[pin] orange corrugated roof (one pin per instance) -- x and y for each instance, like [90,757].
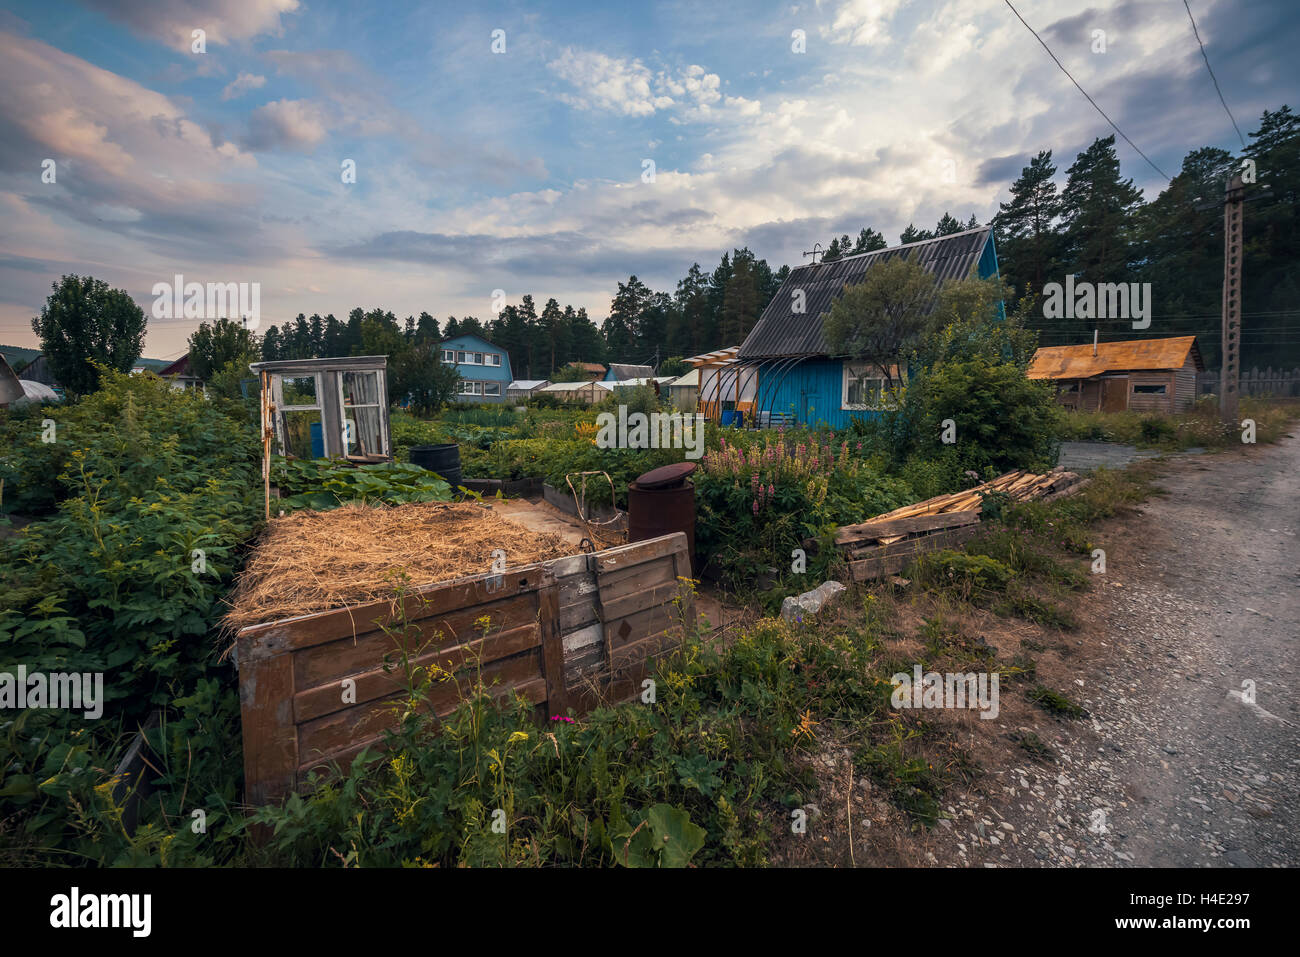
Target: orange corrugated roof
[1078,362]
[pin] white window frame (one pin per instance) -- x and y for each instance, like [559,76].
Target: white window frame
[277,397]
[449,355]
[855,370]
[492,385]
[494,359]
[470,387]
[343,407]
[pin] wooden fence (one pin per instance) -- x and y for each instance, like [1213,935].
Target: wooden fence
[1268,381]
[569,633]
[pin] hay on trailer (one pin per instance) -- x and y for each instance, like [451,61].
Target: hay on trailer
[316,561]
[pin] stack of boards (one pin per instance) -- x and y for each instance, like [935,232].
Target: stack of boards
[886,544]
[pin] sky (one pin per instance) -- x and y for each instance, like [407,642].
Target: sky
[506,146]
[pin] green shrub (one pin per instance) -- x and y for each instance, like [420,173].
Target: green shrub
[323,484]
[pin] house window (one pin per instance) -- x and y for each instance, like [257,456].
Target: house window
[478,358]
[471,388]
[362,404]
[448,355]
[862,388]
[1148,390]
[491,388]
[494,359]
[462,357]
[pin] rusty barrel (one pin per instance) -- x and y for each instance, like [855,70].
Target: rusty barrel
[660,502]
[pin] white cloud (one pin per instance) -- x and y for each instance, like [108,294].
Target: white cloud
[241,85]
[863,22]
[607,83]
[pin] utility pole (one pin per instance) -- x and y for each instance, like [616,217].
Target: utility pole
[1234,197]
[1229,376]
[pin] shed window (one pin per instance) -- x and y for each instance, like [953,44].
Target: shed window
[1149,390]
[362,401]
[298,405]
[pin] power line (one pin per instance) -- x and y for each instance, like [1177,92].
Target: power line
[1085,92]
[1212,76]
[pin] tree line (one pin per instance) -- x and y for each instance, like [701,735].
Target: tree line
[1099,228]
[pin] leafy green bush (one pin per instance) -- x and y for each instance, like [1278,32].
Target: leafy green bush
[156,492]
[1002,420]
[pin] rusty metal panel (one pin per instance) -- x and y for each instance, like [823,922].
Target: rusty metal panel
[1078,362]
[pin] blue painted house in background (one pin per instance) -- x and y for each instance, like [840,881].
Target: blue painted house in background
[784,363]
[484,369]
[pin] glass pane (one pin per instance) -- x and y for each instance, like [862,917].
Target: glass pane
[362,433]
[360,388]
[302,435]
[492,388]
[299,390]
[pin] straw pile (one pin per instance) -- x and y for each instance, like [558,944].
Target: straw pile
[315,561]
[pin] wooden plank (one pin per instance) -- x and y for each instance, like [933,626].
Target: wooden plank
[892,559]
[350,656]
[639,625]
[578,616]
[304,631]
[653,570]
[613,559]
[327,698]
[881,528]
[340,730]
[531,691]
[269,737]
[645,597]
[557,697]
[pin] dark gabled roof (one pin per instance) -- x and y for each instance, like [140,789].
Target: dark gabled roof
[781,332]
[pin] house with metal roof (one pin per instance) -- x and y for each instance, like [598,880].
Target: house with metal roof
[484,368]
[1146,375]
[621,372]
[784,370]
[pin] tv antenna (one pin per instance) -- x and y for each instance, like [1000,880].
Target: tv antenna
[816,250]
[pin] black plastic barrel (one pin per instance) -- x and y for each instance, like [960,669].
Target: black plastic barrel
[443,459]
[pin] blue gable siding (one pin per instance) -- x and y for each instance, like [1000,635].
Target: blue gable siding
[498,376]
[811,392]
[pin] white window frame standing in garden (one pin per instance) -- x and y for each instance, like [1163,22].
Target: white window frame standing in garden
[351,432]
[330,401]
[282,409]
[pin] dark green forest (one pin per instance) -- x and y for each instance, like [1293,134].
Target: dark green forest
[1097,226]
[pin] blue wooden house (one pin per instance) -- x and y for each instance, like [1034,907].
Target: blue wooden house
[784,368]
[484,369]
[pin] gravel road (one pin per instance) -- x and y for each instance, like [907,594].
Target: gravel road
[1178,763]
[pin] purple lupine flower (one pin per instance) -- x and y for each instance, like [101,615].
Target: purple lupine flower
[755,506]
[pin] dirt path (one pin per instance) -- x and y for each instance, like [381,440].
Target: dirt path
[1175,766]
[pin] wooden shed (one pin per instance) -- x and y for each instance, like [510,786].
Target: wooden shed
[1145,375]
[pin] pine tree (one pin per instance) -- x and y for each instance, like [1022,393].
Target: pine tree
[1028,242]
[1097,213]
[832,252]
[869,240]
[913,235]
[947,225]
